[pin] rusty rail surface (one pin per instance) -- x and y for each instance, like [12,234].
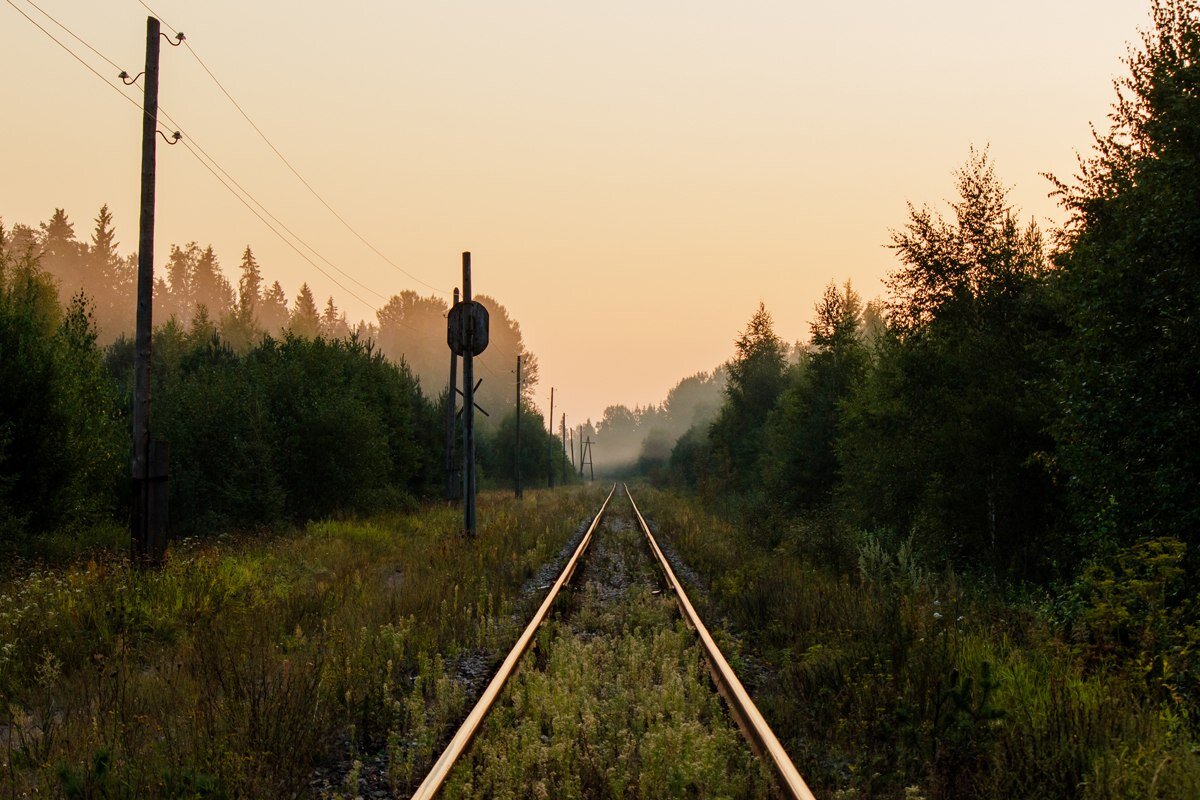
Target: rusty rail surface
[458,745]
[748,717]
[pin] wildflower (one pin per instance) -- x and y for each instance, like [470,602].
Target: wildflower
[937,615]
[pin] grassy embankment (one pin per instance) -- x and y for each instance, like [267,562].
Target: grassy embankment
[895,682]
[245,663]
[615,701]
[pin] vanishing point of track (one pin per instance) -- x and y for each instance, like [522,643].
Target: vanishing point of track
[751,722]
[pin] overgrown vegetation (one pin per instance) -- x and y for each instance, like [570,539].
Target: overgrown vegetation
[244,662]
[615,701]
[902,680]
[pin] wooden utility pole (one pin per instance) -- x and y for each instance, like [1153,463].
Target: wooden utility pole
[518,450]
[551,420]
[580,452]
[148,520]
[453,479]
[469,525]
[563,430]
[571,449]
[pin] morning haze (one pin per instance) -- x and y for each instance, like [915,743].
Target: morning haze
[632,178]
[916,434]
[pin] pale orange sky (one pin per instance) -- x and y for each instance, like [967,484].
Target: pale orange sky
[632,177]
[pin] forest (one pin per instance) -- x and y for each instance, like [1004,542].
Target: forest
[276,413]
[955,532]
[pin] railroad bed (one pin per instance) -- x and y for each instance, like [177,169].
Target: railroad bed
[614,697]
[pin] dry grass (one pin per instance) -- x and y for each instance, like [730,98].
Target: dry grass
[245,663]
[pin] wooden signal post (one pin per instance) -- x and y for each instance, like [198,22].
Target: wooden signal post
[467,335]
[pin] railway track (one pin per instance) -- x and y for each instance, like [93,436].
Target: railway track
[600,562]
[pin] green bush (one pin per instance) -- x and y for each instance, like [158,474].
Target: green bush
[60,445]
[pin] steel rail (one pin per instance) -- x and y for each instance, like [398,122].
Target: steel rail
[462,738]
[748,717]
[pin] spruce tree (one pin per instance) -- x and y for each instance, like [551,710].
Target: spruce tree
[212,289]
[249,286]
[305,320]
[273,311]
[333,322]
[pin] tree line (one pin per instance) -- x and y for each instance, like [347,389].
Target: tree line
[1020,402]
[274,411]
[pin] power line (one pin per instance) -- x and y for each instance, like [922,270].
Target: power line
[267,211]
[72,53]
[289,165]
[282,238]
[214,162]
[72,33]
[159,16]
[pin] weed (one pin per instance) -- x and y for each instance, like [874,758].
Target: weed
[236,669]
[894,682]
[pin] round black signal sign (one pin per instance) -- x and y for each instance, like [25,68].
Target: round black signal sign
[467,328]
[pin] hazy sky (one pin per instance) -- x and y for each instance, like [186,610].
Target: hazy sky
[632,177]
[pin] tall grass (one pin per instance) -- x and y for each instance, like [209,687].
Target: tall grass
[889,681]
[244,663]
[616,700]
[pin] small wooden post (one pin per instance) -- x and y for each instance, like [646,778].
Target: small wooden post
[518,450]
[550,419]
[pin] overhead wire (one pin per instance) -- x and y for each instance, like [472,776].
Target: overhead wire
[71,32]
[72,53]
[267,211]
[215,166]
[288,163]
[282,238]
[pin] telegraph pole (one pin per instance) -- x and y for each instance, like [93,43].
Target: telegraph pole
[551,420]
[581,452]
[563,455]
[149,512]
[518,451]
[453,484]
